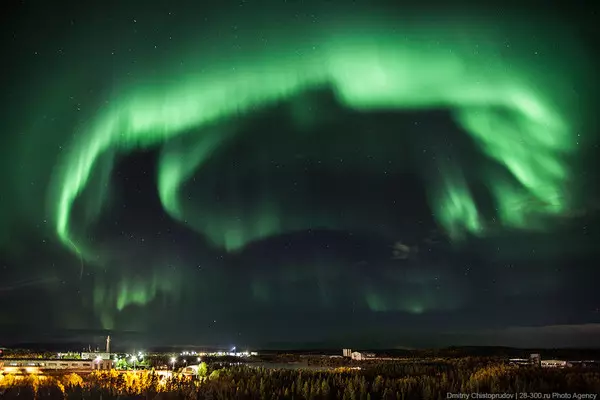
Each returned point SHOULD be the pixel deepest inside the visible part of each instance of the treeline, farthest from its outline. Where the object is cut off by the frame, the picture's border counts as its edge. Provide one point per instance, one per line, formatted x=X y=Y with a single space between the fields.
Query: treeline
x=29 y=354
x=383 y=381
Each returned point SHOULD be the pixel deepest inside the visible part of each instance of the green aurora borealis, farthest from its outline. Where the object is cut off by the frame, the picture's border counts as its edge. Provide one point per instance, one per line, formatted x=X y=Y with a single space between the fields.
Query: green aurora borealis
x=514 y=90
x=507 y=107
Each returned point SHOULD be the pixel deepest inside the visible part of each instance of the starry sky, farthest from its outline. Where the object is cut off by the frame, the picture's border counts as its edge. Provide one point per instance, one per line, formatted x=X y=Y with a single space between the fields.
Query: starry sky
x=342 y=173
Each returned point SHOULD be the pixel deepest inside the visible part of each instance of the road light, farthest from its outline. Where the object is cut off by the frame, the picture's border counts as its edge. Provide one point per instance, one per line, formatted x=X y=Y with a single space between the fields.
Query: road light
x=134 y=359
x=173 y=362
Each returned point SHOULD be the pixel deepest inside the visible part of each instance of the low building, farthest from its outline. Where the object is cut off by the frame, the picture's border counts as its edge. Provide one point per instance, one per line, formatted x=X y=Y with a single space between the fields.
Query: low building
x=36 y=365
x=555 y=364
x=347 y=352
x=190 y=370
x=584 y=363
x=359 y=356
x=95 y=355
x=520 y=361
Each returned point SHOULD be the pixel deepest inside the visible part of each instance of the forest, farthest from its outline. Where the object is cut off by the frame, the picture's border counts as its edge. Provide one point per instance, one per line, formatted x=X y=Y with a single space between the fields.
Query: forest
x=378 y=381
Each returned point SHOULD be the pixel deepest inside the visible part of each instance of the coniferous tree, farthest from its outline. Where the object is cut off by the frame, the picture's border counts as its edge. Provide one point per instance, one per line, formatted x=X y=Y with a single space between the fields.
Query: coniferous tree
x=306 y=390
x=325 y=390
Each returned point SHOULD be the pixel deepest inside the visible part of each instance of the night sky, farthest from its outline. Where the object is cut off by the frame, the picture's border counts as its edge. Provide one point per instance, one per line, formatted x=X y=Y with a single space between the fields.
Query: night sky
x=300 y=173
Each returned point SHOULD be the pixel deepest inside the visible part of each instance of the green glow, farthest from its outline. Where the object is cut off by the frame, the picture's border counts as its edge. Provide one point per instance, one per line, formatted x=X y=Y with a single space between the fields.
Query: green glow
x=458 y=212
x=414 y=292
x=132 y=291
x=260 y=291
x=510 y=101
x=416 y=309
x=178 y=162
x=503 y=104
x=375 y=301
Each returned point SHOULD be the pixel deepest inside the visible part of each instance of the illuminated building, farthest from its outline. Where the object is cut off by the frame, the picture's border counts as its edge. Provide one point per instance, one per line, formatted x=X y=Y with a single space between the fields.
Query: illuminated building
x=94 y=355
x=358 y=356
x=190 y=370
x=36 y=365
x=555 y=364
